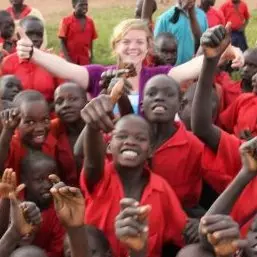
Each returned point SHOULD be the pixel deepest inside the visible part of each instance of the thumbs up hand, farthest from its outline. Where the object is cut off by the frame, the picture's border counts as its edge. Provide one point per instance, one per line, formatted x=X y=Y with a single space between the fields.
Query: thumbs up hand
x=24 y=45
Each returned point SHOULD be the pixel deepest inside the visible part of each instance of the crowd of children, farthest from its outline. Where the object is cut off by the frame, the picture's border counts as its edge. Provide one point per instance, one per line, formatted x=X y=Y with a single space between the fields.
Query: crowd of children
x=152 y=156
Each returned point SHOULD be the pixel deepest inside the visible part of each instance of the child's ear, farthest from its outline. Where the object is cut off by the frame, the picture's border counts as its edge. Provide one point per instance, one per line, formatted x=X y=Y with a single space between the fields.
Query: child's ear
x=108 y=149
x=141 y=107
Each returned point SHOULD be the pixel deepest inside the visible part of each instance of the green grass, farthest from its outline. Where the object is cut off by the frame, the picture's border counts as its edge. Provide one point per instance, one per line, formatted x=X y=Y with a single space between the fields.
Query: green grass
x=106 y=19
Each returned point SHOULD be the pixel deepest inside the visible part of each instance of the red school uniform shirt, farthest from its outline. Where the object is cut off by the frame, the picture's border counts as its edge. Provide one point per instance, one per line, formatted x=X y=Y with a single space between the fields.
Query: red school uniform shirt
x=17 y=151
x=179 y=161
x=166 y=222
x=231 y=89
x=51 y=233
x=67 y=163
x=227 y=158
x=31 y=75
x=215 y=17
x=245 y=208
x=241 y=115
x=79 y=40
x=25 y=12
x=237 y=15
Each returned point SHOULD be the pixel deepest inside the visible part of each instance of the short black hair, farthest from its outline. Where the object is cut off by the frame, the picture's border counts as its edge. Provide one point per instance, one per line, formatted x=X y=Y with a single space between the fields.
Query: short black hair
x=28 y=96
x=32 y=19
x=166 y=35
x=4 y=14
x=34 y=156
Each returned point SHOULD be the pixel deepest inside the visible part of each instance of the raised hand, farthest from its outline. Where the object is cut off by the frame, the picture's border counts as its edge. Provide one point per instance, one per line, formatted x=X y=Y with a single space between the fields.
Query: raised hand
x=215 y=41
x=222 y=233
x=24 y=45
x=98 y=113
x=21 y=214
x=131 y=224
x=69 y=203
x=8 y=184
x=248 y=151
x=10 y=118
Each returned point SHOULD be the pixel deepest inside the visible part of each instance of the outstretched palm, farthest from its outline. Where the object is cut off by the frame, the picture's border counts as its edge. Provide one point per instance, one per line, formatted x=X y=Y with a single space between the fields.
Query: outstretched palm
x=69 y=205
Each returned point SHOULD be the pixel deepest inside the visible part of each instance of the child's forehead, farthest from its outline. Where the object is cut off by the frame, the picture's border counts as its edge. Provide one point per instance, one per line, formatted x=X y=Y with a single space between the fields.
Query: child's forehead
x=132 y=125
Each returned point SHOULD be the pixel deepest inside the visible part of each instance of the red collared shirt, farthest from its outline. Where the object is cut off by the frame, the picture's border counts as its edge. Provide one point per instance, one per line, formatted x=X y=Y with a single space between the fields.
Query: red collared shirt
x=51 y=234
x=241 y=115
x=25 y=12
x=245 y=208
x=17 y=151
x=65 y=156
x=215 y=17
x=78 y=40
x=236 y=15
x=231 y=89
x=167 y=219
x=180 y=161
x=227 y=158
x=31 y=75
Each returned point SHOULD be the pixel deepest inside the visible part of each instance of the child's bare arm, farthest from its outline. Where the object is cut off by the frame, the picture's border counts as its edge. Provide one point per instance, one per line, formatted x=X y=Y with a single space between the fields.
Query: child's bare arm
x=226 y=201
x=70 y=208
x=10 y=119
x=64 y=49
x=148 y=9
x=96 y=115
x=214 y=42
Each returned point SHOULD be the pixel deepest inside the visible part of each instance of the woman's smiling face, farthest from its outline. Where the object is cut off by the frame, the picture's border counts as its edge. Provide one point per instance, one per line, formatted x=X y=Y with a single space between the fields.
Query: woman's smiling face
x=133 y=47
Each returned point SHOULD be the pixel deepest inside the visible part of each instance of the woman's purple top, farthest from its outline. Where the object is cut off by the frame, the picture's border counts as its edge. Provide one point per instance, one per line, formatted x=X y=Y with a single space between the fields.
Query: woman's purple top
x=95 y=71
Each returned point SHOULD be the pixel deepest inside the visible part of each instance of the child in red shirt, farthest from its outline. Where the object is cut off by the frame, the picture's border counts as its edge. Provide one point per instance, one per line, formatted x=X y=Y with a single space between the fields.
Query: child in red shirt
x=36 y=167
x=7 y=42
x=126 y=176
x=30 y=74
x=214 y=16
x=236 y=12
x=77 y=33
x=69 y=100
x=30 y=116
x=178 y=156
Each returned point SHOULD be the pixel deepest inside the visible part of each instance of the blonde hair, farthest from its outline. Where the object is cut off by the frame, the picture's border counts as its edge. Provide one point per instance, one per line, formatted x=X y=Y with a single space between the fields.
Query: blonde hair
x=125 y=26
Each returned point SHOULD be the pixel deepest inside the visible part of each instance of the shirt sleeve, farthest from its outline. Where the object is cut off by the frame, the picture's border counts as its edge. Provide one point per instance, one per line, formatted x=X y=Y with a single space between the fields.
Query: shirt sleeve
x=7 y=66
x=205 y=24
x=94 y=32
x=160 y=26
x=227 y=158
x=63 y=28
x=246 y=13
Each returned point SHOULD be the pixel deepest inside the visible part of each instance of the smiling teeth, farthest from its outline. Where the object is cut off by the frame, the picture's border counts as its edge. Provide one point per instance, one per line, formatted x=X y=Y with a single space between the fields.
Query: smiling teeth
x=129 y=154
x=159 y=108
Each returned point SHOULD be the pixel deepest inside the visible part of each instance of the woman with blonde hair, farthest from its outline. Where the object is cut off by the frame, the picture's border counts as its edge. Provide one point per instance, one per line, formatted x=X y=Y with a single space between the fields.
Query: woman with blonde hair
x=130 y=44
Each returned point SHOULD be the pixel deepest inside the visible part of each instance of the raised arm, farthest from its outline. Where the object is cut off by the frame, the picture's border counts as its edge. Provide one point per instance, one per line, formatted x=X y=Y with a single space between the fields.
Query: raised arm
x=191 y=69
x=10 y=119
x=70 y=208
x=54 y=64
x=96 y=115
x=148 y=9
x=226 y=201
x=214 y=41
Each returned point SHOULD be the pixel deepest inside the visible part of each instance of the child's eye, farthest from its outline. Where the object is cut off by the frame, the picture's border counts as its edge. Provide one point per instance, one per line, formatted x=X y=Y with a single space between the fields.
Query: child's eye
x=141 y=138
x=30 y=122
x=46 y=121
x=121 y=136
x=152 y=93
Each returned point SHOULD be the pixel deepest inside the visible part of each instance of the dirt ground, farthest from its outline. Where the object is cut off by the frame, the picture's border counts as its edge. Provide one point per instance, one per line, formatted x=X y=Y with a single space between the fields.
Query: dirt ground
x=47 y=7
